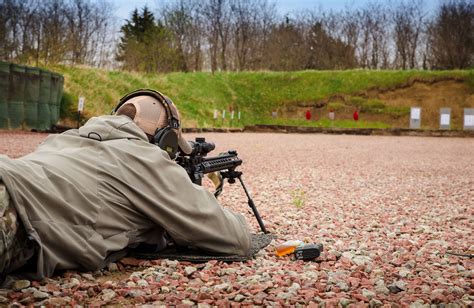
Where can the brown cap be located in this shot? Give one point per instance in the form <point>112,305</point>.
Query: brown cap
<point>150,115</point>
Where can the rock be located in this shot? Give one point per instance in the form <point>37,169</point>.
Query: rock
<point>170,263</point>
<point>136,275</point>
<point>361,260</point>
<point>20,284</point>
<point>27,300</point>
<point>187,302</point>
<point>131,284</point>
<point>348,255</point>
<point>59,301</point>
<point>108,295</point>
<point>88,277</point>
<point>438,297</point>
<point>136,293</point>
<point>344,302</point>
<point>40,295</point>
<point>224,287</point>
<point>343,286</point>
<point>239,298</point>
<point>29,290</point>
<point>404,272</point>
<point>467,300</point>
<point>73,282</point>
<point>294,288</point>
<point>165,289</point>
<point>354,282</point>
<point>142,283</point>
<point>419,304</point>
<point>112,267</point>
<point>377,273</point>
<point>394,289</point>
<point>367,293</point>
<point>285,296</point>
<point>205,290</point>
<point>374,303</point>
<point>397,286</point>
<point>410,264</point>
<point>189,270</point>
<point>3,299</point>
<point>456,290</point>
<point>227,271</point>
<point>382,289</point>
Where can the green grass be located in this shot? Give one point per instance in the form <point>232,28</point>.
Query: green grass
<point>255,94</point>
<point>298,198</point>
<point>374,106</point>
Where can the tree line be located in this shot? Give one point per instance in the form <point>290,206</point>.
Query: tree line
<point>56,31</point>
<point>237,35</point>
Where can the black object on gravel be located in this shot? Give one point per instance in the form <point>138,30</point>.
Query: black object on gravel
<point>259,241</point>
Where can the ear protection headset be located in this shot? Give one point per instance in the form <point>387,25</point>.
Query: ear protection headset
<point>167,137</point>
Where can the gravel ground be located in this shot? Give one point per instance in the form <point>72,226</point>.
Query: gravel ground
<point>388,211</point>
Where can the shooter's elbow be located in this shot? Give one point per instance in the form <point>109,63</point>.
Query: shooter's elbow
<point>244,244</point>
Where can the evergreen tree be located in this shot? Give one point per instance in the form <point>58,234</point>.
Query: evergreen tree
<point>146,44</point>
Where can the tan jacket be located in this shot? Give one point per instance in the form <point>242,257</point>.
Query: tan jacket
<point>88,193</point>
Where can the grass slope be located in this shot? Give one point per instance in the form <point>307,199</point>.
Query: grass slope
<point>254,94</point>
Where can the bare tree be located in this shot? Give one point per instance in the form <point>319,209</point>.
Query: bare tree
<point>408,19</point>
<point>252,24</point>
<point>244,30</point>
<point>349,31</point>
<point>216,14</point>
<point>183,19</point>
<point>53,31</point>
<point>373,48</point>
<point>52,40</point>
<point>286,43</point>
<point>9,29</point>
<point>451,36</point>
<point>102,44</point>
<point>88,23</point>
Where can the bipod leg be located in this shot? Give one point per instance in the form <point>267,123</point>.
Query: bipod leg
<point>253,207</point>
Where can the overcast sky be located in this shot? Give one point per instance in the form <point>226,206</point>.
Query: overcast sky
<point>125,7</point>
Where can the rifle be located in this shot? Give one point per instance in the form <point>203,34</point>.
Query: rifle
<point>197,165</point>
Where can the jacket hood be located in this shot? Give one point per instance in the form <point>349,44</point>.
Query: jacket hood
<point>110,127</point>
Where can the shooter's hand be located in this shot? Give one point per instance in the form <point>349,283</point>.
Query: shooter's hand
<point>216,179</point>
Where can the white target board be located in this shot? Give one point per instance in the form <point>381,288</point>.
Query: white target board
<point>469,118</point>
<point>445,118</point>
<point>415,117</point>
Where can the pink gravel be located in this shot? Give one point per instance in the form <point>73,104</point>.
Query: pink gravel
<point>386,209</point>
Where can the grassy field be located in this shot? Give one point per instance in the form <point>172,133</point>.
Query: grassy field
<point>254,94</point>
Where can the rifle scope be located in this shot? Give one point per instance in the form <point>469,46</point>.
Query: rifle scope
<point>201,147</point>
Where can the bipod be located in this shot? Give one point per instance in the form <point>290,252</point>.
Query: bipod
<point>231,175</point>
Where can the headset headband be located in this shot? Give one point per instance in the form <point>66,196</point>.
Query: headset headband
<point>171,111</point>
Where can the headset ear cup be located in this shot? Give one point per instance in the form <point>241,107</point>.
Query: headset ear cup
<point>167,139</point>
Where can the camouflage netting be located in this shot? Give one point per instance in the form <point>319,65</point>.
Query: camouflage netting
<point>4,84</point>
<point>30,98</point>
